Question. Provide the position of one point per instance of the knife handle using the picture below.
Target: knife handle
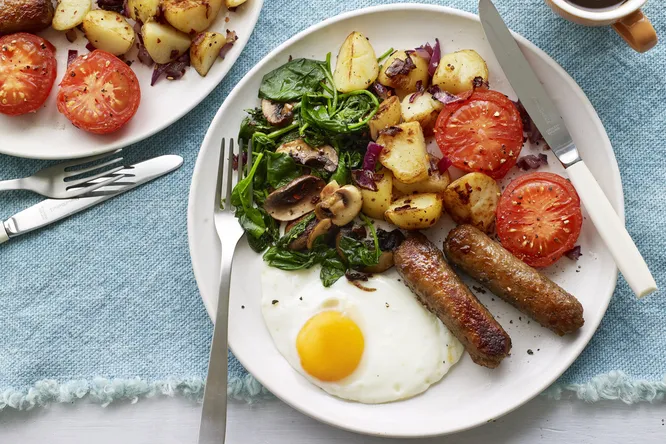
(4, 237)
(627, 257)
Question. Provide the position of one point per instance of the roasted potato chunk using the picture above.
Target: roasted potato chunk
(163, 42)
(205, 50)
(435, 183)
(387, 115)
(108, 31)
(191, 15)
(405, 152)
(70, 14)
(357, 65)
(233, 3)
(143, 10)
(404, 83)
(421, 108)
(375, 203)
(456, 71)
(415, 212)
(472, 199)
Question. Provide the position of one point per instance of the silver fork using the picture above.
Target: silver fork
(213, 425)
(59, 181)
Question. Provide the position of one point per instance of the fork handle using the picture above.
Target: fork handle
(214, 413)
(13, 184)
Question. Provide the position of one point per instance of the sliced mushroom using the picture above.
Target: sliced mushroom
(322, 228)
(321, 157)
(298, 197)
(329, 189)
(342, 206)
(301, 242)
(277, 114)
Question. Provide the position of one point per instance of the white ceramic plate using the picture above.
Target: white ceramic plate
(469, 395)
(47, 134)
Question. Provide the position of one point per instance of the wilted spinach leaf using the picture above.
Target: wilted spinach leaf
(293, 79)
(254, 122)
(358, 253)
(281, 169)
(279, 256)
(347, 161)
(354, 111)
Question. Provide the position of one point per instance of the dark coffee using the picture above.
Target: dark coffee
(597, 4)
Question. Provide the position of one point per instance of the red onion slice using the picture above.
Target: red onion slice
(444, 164)
(434, 59)
(72, 54)
(532, 162)
(574, 253)
(366, 179)
(371, 156)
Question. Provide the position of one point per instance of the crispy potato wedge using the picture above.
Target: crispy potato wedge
(421, 108)
(70, 14)
(108, 31)
(387, 115)
(356, 67)
(163, 42)
(456, 71)
(405, 152)
(375, 203)
(435, 183)
(205, 50)
(472, 199)
(415, 212)
(405, 83)
(233, 3)
(143, 10)
(191, 15)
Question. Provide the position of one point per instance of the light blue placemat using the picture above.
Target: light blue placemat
(105, 303)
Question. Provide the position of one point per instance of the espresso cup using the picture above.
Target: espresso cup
(627, 19)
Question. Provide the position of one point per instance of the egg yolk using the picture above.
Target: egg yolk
(330, 346)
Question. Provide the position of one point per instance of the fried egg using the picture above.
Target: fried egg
(369, 347)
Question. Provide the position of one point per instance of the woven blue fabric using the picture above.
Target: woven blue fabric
(105, 303)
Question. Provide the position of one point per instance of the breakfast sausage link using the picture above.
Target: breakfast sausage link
(25, 15)
(425, 271)
(514, 281)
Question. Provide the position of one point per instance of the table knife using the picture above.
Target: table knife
(544, 114)
(52, 210)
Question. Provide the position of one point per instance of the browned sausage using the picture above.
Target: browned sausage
(425, 271)
(514, 281)
(25, 15)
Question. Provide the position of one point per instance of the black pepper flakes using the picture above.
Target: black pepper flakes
(529, 351)
(275, 301)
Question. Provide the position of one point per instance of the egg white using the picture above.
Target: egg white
(407, 348)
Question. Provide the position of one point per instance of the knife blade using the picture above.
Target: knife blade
(548, 120)
(51, 210)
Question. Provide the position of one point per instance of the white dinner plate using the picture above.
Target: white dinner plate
(469, 395)
(47, 134)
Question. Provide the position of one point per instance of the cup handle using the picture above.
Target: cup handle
(637, 31)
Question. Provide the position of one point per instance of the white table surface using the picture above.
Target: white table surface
(175, 421)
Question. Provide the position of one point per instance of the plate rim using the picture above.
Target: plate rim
(123, 143)
(617, 199)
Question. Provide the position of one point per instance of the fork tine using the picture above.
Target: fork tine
(97, 185)
(93, 168)
(241, 167)
(230, 174)
(249, 164)
(220, 176)
(86, 160)
(74, 183)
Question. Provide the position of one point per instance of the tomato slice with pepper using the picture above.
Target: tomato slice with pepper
(27, 73)
(483, 133)
(99, 93)
(539, 218)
